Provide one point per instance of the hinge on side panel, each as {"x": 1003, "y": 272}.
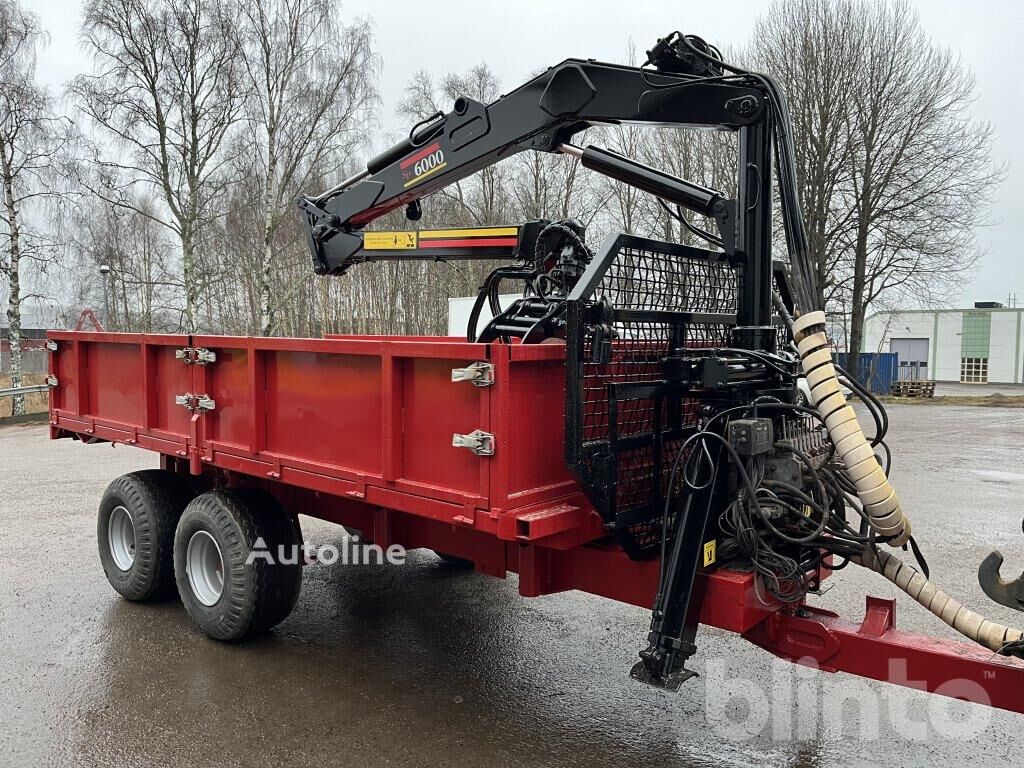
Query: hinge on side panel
{"x": 481, "y": 374}
{"x": 51, "y": 380}
{"x": 195, "y": 402}
{"x": 479, "y": 442}
{"x": 197, "y": 355}
{"x": 51, "y": 345}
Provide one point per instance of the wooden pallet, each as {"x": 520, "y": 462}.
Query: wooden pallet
{"x": 912, "y": 389}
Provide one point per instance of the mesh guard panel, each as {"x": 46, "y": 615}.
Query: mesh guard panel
{"x": 639, "y": 300}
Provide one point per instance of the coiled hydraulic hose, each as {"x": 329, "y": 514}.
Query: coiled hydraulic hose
{"x": 996, "y": 637}
{"x": 881, "y": 504}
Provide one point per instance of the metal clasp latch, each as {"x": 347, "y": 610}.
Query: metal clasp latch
{"x": 479, "y": 442}
{"x": 197, "y": 355}
{"x": 481, "y": 374}
{"x": 195, "y": 402}
{"x": 51, "y": 345}
{"x": 51, "y": 380}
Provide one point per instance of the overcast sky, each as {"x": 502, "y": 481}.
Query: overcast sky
{"x": 517, "y": 37}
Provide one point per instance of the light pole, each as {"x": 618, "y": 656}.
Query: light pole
{"x": 104, "y": 271}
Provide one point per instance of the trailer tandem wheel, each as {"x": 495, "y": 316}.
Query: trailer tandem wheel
{"x": 135, "y": 532}
{"x": 237, "y": 562}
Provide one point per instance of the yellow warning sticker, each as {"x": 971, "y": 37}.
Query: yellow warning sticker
{"x": 710, "y": 552}
{"x": 389, "y": 241}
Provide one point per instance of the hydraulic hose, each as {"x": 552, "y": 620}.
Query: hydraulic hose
{"x": 994, "y": 636}
{"x": 881, "y": 504}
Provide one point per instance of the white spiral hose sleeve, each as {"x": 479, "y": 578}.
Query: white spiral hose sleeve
{"x": 881, "y": 504}
{"x": 973, "y": 625}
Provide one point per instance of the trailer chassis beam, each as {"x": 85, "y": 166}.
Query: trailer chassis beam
{"x": 875, "y": 649}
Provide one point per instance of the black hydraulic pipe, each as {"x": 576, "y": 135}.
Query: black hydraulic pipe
{"x": 755, "y": 306}
{"x": 694, "y": 197}
{"x": 419, "y": 136}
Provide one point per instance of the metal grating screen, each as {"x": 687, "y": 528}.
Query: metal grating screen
{"x": 640, "y": 300}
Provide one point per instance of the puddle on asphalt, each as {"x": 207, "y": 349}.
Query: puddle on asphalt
{"x": 995, "y": 476}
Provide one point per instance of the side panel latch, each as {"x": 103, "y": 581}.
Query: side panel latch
{"x": 479, "y": 442}
{"x": 195, "y": 403}
{"x": 481, "y": 374}
{"x": 197, "y": 355}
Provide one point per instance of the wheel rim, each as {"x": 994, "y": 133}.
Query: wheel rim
{"x": 205, "y": 568}
{"x": 121, "y": 538}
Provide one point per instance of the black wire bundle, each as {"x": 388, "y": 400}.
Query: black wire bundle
{"x": 550, "y": 286}
{"x": 783, "y": 531}
{"x": 555, "y": 282}
{"x": 804, "y": 274}
{"x": 678, "y": 216}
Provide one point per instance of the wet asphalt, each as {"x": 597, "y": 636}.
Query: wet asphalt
{"x": 425, "y": 665}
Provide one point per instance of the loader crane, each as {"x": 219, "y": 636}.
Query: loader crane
{"x": 741, "y": 375}
{"x": 631, "y": 426}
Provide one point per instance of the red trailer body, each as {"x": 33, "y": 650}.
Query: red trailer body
{"x": 358, "y": 430}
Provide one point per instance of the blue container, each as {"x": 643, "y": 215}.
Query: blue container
{"x": 878, "y": 370}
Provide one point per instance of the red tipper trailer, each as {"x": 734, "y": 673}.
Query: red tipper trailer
{"x": 436, "y": 443}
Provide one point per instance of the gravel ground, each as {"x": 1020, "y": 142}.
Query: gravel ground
{"x": 425, "y": 666}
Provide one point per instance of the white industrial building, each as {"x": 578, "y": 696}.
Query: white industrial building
{"x": 974, "y": 346}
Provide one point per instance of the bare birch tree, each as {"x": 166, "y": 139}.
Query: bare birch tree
{"x": 310, "y": 82}
{"x": 165, "y": 93}
{"x": 704, "y": 157}
{"x": 31, "y": 136}
{"x": 211, "y": 115}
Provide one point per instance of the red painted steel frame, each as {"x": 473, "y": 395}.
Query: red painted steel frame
{"x": 357, "y": 430}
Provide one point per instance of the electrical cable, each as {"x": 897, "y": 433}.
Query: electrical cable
{"x": 782, "y": 135}
{"x": 697, "y": 231}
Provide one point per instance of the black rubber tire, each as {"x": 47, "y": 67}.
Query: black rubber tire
{"x": 454, "y": 562}
{"x": 155, "y": 500}
{"x": 256, "y": 596}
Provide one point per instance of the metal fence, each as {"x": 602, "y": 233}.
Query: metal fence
{"x": 31, "y": 389}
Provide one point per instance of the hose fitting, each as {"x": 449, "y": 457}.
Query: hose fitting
{"x": 881, "y": 504}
